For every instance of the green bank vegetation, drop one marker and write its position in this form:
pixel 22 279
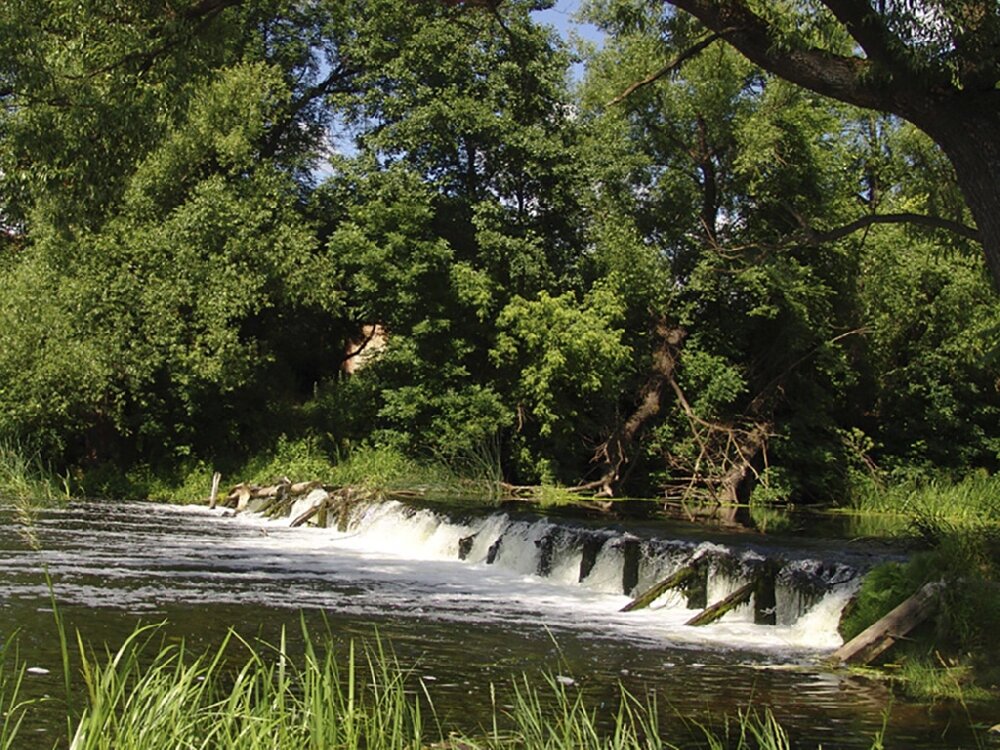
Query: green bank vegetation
pixel 711 290
pixel 202 218
pixel 162 697
pixel 954 529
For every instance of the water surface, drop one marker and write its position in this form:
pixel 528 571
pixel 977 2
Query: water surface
pixel 461 625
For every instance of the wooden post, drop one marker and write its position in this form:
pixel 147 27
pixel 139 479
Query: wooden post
pixel 878 637
pixel 676 580
pixel 630 563
pixel 711 614
pixel 591 548
pixel 216 478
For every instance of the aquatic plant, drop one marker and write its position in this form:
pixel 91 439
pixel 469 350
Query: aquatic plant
pixel 155 695
pixel 25 478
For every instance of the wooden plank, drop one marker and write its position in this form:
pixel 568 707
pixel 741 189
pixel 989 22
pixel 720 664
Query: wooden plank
pixel 677 579
pixel 711 614
pixel 216 478
pixel 881 635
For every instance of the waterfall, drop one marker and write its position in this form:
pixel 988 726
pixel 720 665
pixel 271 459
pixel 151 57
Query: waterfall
pixel 801 595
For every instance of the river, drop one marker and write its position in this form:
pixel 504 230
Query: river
pixel 507 608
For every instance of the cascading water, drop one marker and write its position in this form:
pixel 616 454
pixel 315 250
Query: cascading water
pixel 470 599
pixel 797 606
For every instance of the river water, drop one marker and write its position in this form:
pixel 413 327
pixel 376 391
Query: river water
pixel 506 609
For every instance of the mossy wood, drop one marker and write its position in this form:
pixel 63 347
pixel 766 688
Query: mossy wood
pixel 881 635
pixel 675 580
pixel 738 598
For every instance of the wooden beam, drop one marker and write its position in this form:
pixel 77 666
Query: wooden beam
pixel 739 597
pixel 878 637
pixel 677 579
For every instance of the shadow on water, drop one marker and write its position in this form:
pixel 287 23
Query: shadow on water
pixel 458 627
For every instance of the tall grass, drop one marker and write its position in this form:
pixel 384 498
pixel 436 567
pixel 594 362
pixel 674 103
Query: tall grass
pixel 12 709
pixel 974 500
pixel 24 477
pixel 150 695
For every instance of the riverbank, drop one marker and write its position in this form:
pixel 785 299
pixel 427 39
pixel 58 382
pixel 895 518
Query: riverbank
pixel 952 529
pixel 151 696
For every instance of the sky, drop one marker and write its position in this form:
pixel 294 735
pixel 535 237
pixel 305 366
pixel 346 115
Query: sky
pixel 562 15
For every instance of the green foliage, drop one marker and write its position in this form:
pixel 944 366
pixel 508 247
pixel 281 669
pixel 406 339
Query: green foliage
pixel 565 363
pixel 884 587
pixel 186 264
pixel 247 695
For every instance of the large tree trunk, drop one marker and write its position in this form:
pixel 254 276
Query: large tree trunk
pixel 971 140
pixel 616 453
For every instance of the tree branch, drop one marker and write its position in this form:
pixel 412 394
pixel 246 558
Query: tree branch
pixel 669 68
pixel 846 78
pixel 866 27
pixel 933 222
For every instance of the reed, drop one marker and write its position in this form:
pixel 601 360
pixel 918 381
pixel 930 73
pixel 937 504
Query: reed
pixel 153 695
pixel 24 477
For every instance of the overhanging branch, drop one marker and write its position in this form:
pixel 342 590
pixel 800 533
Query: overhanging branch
pixel 846 78
pixel 669 68
pixel 933 222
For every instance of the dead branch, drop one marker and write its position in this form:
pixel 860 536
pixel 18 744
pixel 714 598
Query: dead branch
pixel 669 68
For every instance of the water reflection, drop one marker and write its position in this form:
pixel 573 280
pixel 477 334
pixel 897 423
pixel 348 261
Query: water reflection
pixel 458 627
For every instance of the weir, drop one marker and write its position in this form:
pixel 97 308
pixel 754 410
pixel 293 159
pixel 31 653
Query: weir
pixel 785 583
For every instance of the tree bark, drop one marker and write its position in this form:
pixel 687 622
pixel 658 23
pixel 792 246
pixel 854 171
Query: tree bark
pixel 961 116
pixel 615 453
pixel 971 141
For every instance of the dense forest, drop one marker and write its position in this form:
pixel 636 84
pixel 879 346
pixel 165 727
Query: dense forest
pixel 677 274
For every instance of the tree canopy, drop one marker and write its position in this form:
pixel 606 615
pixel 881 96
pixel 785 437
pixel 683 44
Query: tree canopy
pixel 935 63
pixel 701 289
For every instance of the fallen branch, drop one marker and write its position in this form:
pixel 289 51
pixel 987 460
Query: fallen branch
pixel 881 635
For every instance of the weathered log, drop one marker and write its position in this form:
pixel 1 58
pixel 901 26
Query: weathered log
pixel 279 489
pixel 676 580
pixel 303 517
pixel 301 488
pixel 240 495
pixel 716 611
pixel 216 478
pixel 878 637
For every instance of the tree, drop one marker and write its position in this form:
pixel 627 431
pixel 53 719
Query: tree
pixel 935 63
pixel 152 168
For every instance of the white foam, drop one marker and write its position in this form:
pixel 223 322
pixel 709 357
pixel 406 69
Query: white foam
pixel 397 559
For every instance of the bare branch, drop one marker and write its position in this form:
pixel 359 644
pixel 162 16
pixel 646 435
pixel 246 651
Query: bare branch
pixel 669 68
